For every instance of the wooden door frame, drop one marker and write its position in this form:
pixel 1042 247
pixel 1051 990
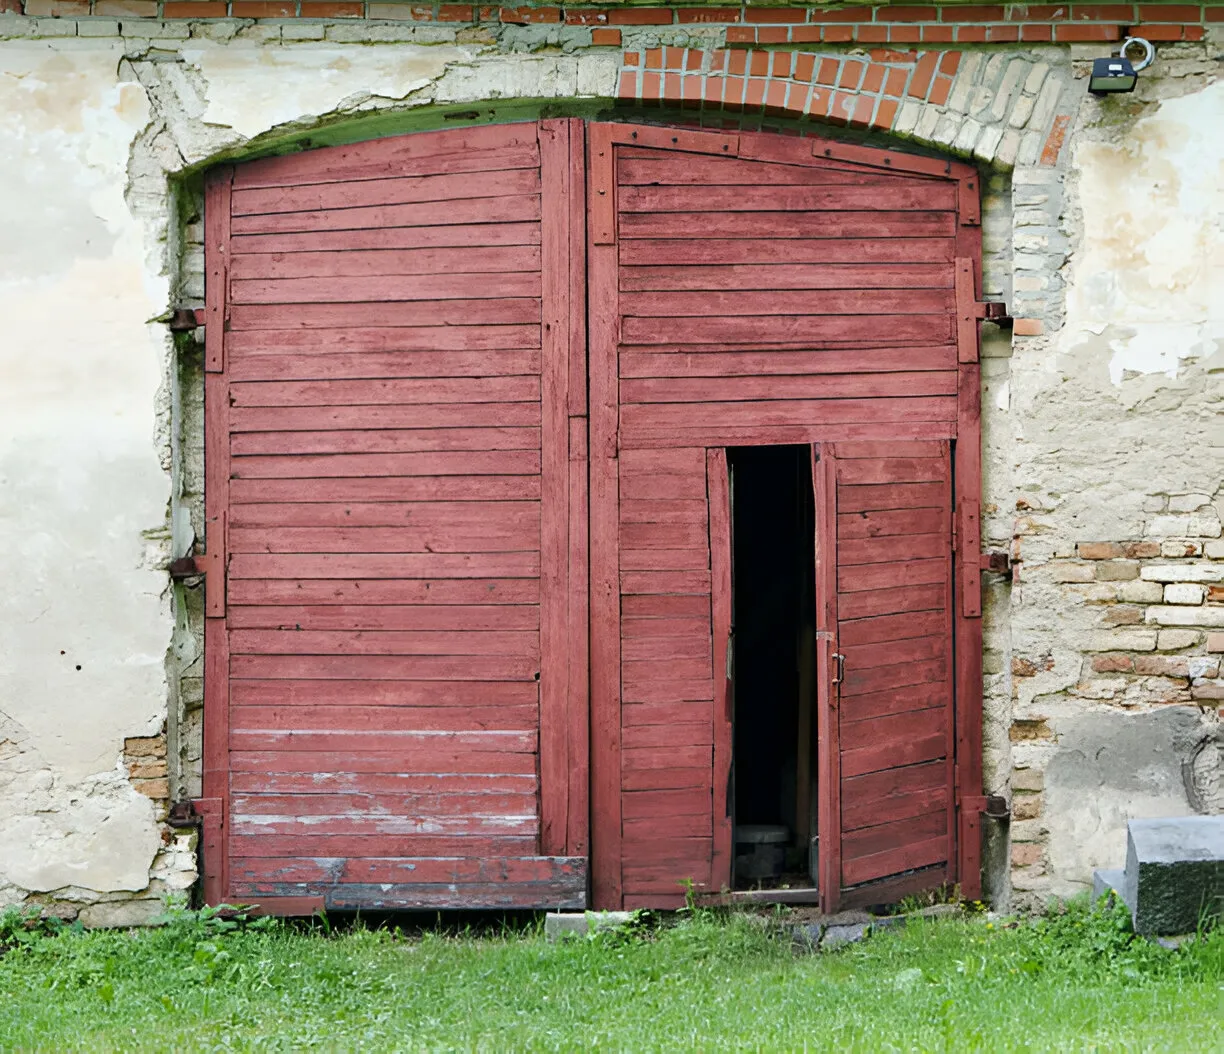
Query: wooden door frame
pixel 603 335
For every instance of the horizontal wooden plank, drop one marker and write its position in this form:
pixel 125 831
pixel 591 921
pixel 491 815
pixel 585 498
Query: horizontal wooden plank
pixel 696 627
pixel 867 680
pixel 371 365
pixel 752 277
pixel 868 841
pixel 911 751
pixel 332 329
pixel 683 853
pixel 923 846
pixel 787 412
pixel 891 522
pixel 680 669
pixel 659 168
pixel 480 146
pixel 418 463
pixel 386 591
pixel 663 510
pixel 685 756
pixel 641 648
pixel 408 538
pixel 657 690
pixel 674 778
pixel 302 784
pixel 663 536
pixel 664 559
pixel 343 694
pixel 894 794
pixel 691 249
pixel 384 668
pixel 685 826
pixel 893 627
pixel 655 881
pixel 649 486
pixel 715 433
pixel 384 290
pixel 775 328
pixel 692 712
pixel 346 825
pixel 892 547
pixel 912 649
pixel 681 735
pixel 448 187
pixel 702 221
pixel 375 392
pixel 867 706
pixel 668 462
pixel 419 758
pixel 893 470
pixel 882 497
pixel 871 602
pixel 376 262
pixel 810 302
pixel 890 449
pixel 384 565
pixel 478 235
pixel 430 617
pixel 502 209
pixel 856 577
pixel 665 607
pixel 664 582
pixel 282 846
pixel 896 195
pixel 367 418
pixel 787 387
pixel 411 746
pixel 699 362
pixel 383 441
pixel 523 644
pixel 357 716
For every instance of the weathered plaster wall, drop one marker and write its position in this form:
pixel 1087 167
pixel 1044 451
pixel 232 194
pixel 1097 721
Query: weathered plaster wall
pixel 1096 430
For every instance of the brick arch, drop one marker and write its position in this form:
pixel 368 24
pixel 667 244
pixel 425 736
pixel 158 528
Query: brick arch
pixel 992 107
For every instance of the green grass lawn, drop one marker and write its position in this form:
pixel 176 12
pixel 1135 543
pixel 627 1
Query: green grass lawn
pixel 1076 982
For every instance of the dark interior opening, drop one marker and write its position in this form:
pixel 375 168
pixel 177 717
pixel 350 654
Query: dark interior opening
pixel 774 675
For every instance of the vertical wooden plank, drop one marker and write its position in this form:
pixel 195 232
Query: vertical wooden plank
pixel 578 830
pixel 966 311
pixel 601 184
pixel 217 190
pixel 602 308
pixel 576 198
pixel 718 496
pixel 967 475
pixel 554 488
pixel 828 764
pixel 950 637
pixel 215 759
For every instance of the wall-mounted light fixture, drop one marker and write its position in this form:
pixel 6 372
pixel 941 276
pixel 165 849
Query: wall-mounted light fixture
pixel 1113 75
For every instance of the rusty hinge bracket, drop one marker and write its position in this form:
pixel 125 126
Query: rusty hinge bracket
pixel 993 311
pixel 997 562
pixel 183 814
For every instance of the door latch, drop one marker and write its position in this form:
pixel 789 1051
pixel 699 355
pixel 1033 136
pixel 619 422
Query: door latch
pixel 839 667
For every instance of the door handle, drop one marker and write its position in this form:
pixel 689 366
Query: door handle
pixel 839 667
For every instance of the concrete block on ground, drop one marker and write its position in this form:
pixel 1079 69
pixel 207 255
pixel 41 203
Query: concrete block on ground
pixel 1174 873
pixel 839 936
pixel 1107 880
pixel 557 924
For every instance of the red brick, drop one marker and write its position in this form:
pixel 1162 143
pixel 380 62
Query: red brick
pixel 641 16
pixel 1194 33
pixel 652 86
pixel 1025 854
pixel 128 8
pixel 828 72
pixel 838 34
pixel 907 14
pixel 971 34
pixel 775 96
pixel 851 74
pixel 586 16
pixel 938 34
pixel 941 89
pixel 342 10
pixel 633 58
pixel 654 58
pixel 262 9
pixel 923 72
pixel 972 13
pixel 692 93
pixel 56 8
pixel 871 34
pixel 773 14
pixel 1169 12
pixel 1158 33
pixel 1213 14
pixel 904 34
pixel 603 38
pixel 740 35
pixel 1113 663
pixel 733 92
pixel 1140 550
pixel 1087 34
pixel 805 67
pixel 1002 34
pixel 704 14
pixel 782 62
pixel 627 88
pixel 886 114
pixel 888 55
pixel 819 104
pixel 1037 12
pixel 894 85
pixel 1104 13
pixel 1037 34
pixel 672 87
pixel 713 92
pixel 521 16
pixel 844 14
pixel 673 58
pixel 1098 550
pixel 873 79
pixel 10 7
pixel 692 59
pixel 773 35
pixel 1028 327
pixel 950 62
pixel 456 13
pixel 153 788
pixel 1054 142
pixel 863 107
pixel 195 9
pixel 758 64
pixel 738 62
pixel 806 34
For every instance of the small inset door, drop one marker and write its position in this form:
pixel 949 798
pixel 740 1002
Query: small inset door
pixel 886 717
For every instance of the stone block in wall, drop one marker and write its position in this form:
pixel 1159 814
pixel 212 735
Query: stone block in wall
pixel 1138 592
pixel 1186 526
pixel 1185 616
pixel 121 913
pixel 1184 593
pixel 1122 640
pixel 1183 573
pixel 1176 639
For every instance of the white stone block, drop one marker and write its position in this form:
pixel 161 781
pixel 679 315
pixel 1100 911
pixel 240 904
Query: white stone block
pixel 1185 616
pixel 1214 550
pixel 1124 639
pixel 1206 525
pixel 1183 572
pixel 1140 592
pixel 1183 593
pixel 1188 502
pixel 1036 75
pixel 988 143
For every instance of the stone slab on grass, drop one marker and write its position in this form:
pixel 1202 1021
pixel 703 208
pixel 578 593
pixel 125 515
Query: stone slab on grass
pixel 1174 873
pixel 559 924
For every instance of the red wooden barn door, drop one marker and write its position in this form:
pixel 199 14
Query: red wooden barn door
pixel 396 501
pixel 886 680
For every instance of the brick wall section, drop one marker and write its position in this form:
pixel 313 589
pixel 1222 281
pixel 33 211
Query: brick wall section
pixel 1159 612
pixel 747 26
